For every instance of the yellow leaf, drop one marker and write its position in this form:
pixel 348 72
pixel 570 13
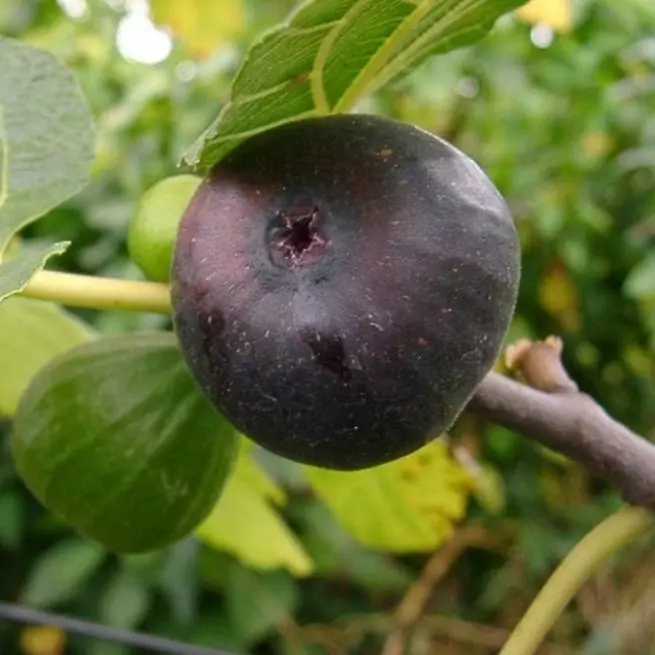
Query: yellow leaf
pixel 201 26
pixel 559 297
pixel 33 332
pixel 245 523
pixel 42 640
pixel 557 14
pixel 596 143
pixel 405 506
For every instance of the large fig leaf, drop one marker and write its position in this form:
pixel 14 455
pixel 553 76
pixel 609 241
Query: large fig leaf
pixel 48 131
pixel 46 147
pixel 115 437
pixel 332 52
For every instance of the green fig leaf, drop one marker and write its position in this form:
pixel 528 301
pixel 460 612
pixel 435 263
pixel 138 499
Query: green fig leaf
pixel 246 524
pixel 405 506
pixel 332 52
pixel 59 573
pixel 640 283
pixel 126 601
pixel 115 437
pixel 26 346
pixel 48 134
pixel 258 602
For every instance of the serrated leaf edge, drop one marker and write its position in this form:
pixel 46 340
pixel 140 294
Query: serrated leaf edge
pixel 388 62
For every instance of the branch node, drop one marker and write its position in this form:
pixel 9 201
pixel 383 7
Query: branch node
pixel 540 364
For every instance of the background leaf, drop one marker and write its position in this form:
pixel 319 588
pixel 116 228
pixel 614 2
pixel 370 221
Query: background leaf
pixel 557 14
pixel 405 506
pixel 332 52
pixel 59 572
pixel 49 133
pixel 116 438
pixel 202 26
pixel 178 581
pixel 12 520
pixel 259 601
pixel 126 601
pixel 26 346
pixel 17 272
pixel 42 640
pixel 246 524
pixel 640 283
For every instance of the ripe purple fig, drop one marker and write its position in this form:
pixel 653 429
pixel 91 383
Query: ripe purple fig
pixel 341 285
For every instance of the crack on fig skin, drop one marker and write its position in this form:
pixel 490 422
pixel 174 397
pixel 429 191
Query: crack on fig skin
pixel 328 352
pixel 297 241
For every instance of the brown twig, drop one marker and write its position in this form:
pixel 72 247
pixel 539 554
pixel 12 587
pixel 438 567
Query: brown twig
pixel 412 606
pixel 551 409
pixel 553 412
pixel 449 627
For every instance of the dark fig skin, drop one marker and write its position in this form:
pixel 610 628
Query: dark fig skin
pixel 341 285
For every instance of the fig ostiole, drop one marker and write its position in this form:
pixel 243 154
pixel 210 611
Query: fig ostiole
pixel 341 285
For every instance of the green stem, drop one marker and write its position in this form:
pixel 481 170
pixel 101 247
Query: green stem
pixel 99 292
pixel 606 539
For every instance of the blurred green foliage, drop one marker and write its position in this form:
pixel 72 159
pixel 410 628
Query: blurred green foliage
pixel 564 124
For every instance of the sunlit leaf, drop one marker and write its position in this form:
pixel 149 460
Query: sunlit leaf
pixel 33 332
pixel 559 297
pixel 405 506
pixel 16 273
pixel 202 26
pixel 557 14
pixel 332 52
pixel 48 131
pixel 246 524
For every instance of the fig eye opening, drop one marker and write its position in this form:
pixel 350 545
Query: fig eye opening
pixel 296 238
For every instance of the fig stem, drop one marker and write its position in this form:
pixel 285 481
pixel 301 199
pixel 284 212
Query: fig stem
pixel 605 540
pixel 99 292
